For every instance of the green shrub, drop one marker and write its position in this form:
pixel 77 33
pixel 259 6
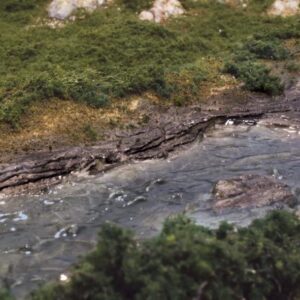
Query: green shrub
pixel 136 5
pixel 18 5
pixel 187 261
pixel 256 77
pixel 260 5
pixel 293 67
pixel 267 49
pixel 4 295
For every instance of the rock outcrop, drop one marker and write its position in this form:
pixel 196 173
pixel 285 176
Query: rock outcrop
pixel 167 131
pixel 285 8
pixel 251 191
pixel 162 10
pixel 62 9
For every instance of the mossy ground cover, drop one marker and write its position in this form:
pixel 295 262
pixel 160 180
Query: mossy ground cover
pixel 187 261
pixel 111 54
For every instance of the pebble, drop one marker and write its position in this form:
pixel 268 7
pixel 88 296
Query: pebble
pixel 229 122
pixel 48 202
pixel 63 277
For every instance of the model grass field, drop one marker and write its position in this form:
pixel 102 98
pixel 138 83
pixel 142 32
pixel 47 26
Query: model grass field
pixel 88 66
pixel 112 54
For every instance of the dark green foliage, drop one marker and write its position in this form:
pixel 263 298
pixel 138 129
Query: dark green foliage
pixel 136 5
pixel 13 6
pixel 19 11
pixel 4 295
pixel 260 5
pixel 187 261
pixel 267 49
pixel 256 77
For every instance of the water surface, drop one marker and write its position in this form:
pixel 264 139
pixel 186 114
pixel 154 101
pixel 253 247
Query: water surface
pixel 42 235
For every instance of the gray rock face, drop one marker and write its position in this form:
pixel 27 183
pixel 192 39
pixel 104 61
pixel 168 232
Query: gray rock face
pixel 62 9
pixel 251 191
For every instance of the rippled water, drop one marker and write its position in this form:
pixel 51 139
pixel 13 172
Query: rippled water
pixel 42 235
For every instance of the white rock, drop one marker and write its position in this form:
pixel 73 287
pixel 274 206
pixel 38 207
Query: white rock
pixel 63 277
pixel 162 10
pixel 146 15
pixel 62 9
pixel 284 8
pixel 229 123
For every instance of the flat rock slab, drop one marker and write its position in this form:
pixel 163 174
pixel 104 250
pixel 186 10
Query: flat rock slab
pixel 251 191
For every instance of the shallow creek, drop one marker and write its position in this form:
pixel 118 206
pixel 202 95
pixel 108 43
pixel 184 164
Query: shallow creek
pixel 43 235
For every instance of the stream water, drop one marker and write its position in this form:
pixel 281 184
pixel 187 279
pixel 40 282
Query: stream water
pixel 43 235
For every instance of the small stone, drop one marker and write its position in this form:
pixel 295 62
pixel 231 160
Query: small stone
pixel 48 202
pixel 63 277
pixel 146 16
pixel 229 123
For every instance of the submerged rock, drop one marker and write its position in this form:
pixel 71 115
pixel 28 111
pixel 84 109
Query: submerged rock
pixel 162 10
pixel 62 9
pixel 284 8
pixel 251 191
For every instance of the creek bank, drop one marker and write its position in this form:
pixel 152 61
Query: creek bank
pixel 168 131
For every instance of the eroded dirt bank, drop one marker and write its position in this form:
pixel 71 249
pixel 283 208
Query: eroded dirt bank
pixel 168 130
